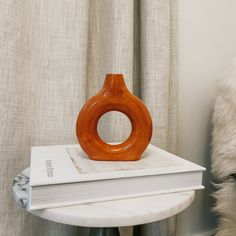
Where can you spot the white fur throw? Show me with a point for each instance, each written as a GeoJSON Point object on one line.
{"type": "Point", "coordinates": [224, 151]}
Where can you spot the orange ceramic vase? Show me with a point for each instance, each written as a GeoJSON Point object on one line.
{"type": "Point", "coordinates": [114, 96]}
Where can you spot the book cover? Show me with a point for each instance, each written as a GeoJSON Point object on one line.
{"type": "Point", "coordinates": [68, 164]}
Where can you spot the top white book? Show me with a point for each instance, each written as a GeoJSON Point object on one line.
{"type": "Point", "coordinates": [68, 163]}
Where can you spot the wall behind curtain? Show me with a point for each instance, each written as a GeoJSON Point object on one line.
{"type": "Point", "coordinates": [53, 57]}
{"type": "Point", "coordinates": [207, 36]}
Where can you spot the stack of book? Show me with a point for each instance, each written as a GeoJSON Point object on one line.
{"type": "Point", "coordinates": [63, 175]}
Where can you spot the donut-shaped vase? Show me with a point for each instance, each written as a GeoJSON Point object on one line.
{"type": "Point", "coordinates": [114, 96]}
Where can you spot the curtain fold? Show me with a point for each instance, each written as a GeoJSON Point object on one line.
{"type": "Point", "coordinates": [54, 56]}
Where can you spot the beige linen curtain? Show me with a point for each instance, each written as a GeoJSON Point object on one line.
{"type": "Point", "coordinates": [53, 57]}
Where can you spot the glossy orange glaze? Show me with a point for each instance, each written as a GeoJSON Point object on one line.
{"type": "Point", "coordinates": [114, 96]}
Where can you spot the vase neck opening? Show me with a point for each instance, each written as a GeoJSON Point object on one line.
{"type": "Point", "coordinates": [114, 83]}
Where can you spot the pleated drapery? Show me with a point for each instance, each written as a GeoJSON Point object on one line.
{"type": "Point", "coordinates": [54, 56]}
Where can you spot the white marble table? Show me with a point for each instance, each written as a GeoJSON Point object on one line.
{"type": "Point", "coordinates": [119, 213]}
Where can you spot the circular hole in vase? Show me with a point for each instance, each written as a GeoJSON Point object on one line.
{"type": "Point", "coordinates": [114, 127]}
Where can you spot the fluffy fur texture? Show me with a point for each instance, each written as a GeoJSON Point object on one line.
{"type": "Point", "coordinates": [224, 151]}
{"type": "Point", "coordinates": [226, 208]}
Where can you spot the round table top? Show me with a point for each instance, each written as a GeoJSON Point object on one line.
{"type": "Point", "coordinates": [118, 213]}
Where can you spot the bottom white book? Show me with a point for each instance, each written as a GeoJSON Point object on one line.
{"type": "Point", "coordinates": [63, 176]}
